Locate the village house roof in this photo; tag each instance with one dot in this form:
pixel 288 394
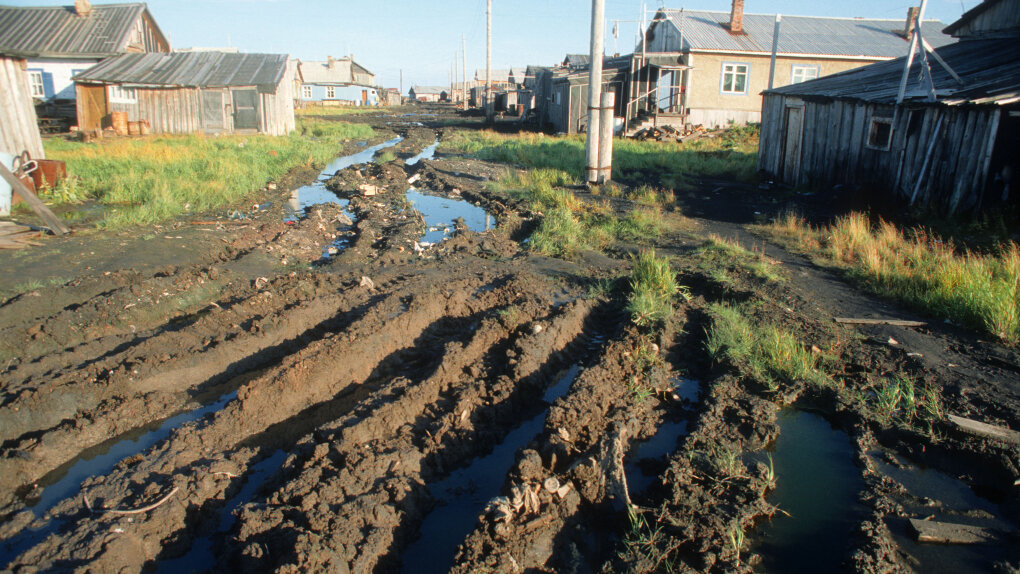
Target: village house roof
pixel 334 71
pixel 57 31
pixel 428 90
pixel 189 69
pixel 990 70
pixel 798 35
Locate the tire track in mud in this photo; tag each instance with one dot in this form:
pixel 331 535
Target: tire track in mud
pixel 436 423
pixel 314 375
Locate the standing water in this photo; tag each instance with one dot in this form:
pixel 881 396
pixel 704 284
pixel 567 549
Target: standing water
pixel 816 487
pixel 440 213
pixel 427 153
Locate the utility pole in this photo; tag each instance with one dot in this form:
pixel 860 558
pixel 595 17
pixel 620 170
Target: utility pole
pixel 401 83
pixel 910 55
pixel 594 93
pixel 775 50
pixel 489 108
pixel 463 71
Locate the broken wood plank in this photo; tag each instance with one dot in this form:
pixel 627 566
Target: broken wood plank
pixel 985 430
pixel 34 202
pixel 864 321
pixel 950 533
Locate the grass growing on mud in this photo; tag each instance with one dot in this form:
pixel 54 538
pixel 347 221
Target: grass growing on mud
pixel 767 353
pixel 570 225
pixel 918 268
pixel 732 154
pixel 147 180
pixel 653 289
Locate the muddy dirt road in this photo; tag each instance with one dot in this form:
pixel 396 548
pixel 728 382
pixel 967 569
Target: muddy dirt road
pixel 353 379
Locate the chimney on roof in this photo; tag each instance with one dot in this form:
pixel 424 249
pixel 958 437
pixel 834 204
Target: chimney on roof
pixel 737 17
pixel 330 62
pixel 912 13
pixel 82 7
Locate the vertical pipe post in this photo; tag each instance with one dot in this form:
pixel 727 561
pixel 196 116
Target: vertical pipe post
pixel 594 93
pixel 775 50
pixel 606 122
pixel 488 62
pixel 463 70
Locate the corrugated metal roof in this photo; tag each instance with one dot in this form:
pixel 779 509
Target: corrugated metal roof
pixel 58 31
pixel 428 90
pixel 990 70
pixel 856 37
pixel 189 69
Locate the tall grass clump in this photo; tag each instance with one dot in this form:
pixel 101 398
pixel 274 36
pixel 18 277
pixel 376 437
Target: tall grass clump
pixel 653 289
pixel 765 352
pixel 980 290
pixel 152 179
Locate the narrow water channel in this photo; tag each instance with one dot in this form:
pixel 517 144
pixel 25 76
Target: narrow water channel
pixel 817 485
pixel 464 494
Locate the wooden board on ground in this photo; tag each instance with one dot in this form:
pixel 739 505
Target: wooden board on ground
pixel 985 430
pixel 14 236
pixel 950 533
pixel 863 321
pixel 34 202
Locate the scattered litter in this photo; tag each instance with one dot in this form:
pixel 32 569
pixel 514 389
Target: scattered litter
pixel 918 355
pixel 366 282
pixel 368 190
pixel 892 341
pixel 536 329
pixel 261 282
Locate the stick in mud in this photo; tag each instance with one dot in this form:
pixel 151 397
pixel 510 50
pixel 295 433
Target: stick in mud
pixel 117 511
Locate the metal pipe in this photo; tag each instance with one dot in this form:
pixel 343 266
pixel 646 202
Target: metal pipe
pixel 775 50
pixel 488 61
pixel 605 173
pixel 594 92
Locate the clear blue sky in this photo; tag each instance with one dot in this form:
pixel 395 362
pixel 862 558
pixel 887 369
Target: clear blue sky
pixel 421 37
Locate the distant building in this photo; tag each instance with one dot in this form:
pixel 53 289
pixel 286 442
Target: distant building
pixel 951 144
pixel 187 92
pixel 559 95
pixel 58 42
pixel 427 93
pixel 337 81
pixel 710 67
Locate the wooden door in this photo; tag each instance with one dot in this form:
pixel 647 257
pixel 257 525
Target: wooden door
pixel 93 107
pixel 792 146
pixel 213 120
pixel 246 116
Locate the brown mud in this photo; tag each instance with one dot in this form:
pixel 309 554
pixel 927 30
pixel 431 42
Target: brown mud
pixel 297 388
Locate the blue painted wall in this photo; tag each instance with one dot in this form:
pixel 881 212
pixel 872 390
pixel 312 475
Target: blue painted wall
pixel 350 93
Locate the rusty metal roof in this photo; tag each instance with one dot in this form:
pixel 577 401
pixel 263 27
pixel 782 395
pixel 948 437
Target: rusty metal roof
pixel 848 37
pixel 990 70
pixel 56 31
pixel 190 69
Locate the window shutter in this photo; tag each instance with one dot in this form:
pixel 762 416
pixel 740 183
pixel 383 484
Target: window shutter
pixel 47 79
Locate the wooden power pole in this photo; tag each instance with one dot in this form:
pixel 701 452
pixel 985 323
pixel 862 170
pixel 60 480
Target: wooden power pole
pixel 489 108
pixel 594 93
pixel 463 71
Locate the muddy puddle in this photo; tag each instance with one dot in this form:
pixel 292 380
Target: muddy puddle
pixel 201 557
pixel 930 494
pixel 462 496
pixel 817 485
pixel 316 192
pixel 441 212
pixel 428 153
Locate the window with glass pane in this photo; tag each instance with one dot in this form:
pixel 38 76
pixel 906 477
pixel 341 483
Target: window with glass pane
pixel 306 92
pixel 734 78
pixel 35 82
pixel 330 92
pixel 803 73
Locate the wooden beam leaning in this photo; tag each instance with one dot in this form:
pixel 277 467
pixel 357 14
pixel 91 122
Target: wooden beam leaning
pixel 864 321
pixel 34 202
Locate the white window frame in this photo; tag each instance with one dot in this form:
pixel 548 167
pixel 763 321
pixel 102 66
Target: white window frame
pixel 306 92
pixel 122 95
pixel 35 84
pixel 330 93
pixel 733 68
pixel 873 127
pixel 806 73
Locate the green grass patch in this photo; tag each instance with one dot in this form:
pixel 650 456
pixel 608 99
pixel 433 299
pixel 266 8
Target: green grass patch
pixel 980 290
pixel 733 154
pixel 385 157
pixel 148 180
pixel 654 289
pixel 768 354
pixel 718 254
pixel 332 111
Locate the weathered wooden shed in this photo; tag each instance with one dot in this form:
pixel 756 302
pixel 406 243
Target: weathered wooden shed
pixel 561 93
pixel 18 128
pixel 952 144
pixel 188 92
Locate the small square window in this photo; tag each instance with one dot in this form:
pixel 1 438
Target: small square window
pixel 306 92
pixel 35 83
pixel 880 134
pixel 330 92
pixel 802 73
pixel 122 95
pixel 734 78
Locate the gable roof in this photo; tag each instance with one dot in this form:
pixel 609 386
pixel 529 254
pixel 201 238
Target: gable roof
pixel 990 70
pixel 428 90
pixel 847 37
pixel 57 31
pixel 189 69
pixel 342 72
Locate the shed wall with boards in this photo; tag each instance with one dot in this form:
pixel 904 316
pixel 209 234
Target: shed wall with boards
pixel 18 128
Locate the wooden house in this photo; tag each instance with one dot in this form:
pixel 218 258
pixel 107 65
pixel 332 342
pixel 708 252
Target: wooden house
pixel 953 142
pixel 18 129
pixel 58 42
pixel 338 81
pixel 187 92
pixel 710 68
pixel 560 94
pixel 427 93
